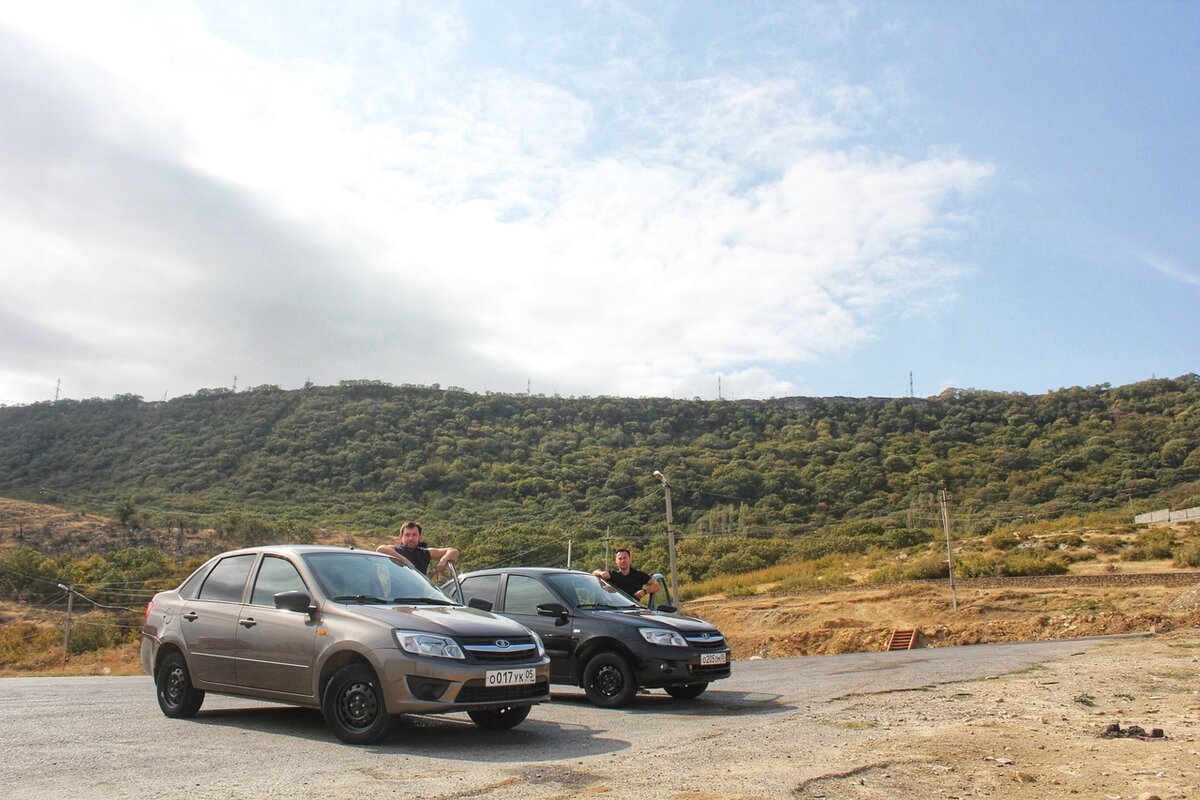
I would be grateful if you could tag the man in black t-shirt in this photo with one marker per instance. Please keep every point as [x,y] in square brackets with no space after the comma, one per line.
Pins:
[409,549]
[632,582]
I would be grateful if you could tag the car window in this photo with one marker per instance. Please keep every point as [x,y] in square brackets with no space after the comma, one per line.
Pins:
[523,595]
[483,586]
[275,575]
[191,587]
[367,575]
[227,579]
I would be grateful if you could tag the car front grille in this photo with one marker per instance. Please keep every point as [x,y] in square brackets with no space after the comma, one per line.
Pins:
[499,650]
[476,692]
[706,640]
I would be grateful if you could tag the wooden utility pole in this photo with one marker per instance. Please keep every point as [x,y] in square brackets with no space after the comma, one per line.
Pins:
[945,501]
[67,626]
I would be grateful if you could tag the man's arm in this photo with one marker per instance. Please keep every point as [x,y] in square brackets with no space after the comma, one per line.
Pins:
[388,550]
[443,554]
[602,573]
[652,585]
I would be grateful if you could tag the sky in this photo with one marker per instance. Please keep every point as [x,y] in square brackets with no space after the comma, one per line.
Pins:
[669,199]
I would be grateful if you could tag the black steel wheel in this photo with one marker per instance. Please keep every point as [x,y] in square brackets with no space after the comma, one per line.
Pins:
[499,719]
[608,680]
[353,706]
[176,696]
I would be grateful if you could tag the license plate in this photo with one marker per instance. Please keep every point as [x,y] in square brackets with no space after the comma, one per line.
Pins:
[713,658]
[509,677]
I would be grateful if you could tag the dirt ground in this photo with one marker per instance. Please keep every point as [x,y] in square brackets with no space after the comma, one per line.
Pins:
[1034,734]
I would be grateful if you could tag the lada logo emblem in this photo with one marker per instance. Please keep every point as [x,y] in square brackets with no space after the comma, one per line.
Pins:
[502,643]
[704,636]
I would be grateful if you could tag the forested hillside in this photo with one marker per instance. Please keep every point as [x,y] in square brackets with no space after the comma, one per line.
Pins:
[506,472]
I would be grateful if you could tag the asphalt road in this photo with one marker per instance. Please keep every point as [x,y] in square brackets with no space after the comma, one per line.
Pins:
[747,737]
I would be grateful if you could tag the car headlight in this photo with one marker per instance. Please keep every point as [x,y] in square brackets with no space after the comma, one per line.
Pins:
[538,641]
[662,636]
[428,644]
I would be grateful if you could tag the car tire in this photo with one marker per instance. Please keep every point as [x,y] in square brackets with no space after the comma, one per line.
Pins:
[687,692]
[177,697]
[608,680]
[353,706]
[499,719]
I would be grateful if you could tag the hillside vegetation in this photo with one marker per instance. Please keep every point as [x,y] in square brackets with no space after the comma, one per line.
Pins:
[521,478]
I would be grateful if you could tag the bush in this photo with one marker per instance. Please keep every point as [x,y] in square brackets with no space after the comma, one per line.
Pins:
[1188,555]
[1106,544]
[1151,545]
[1002,540]
[1011,565]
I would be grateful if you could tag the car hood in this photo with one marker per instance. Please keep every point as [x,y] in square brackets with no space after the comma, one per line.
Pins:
[447,620]
[644,618]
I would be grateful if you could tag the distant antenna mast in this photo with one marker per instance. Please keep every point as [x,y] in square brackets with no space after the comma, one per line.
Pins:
[718,387]
[235,383]
[910,389]
[57,386]
[528,387]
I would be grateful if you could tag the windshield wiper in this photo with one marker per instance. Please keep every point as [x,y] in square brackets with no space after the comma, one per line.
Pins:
[600,605]
[360,598]
[424,601]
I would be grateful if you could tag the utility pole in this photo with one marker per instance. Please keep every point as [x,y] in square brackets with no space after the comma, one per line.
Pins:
[945,501]
[70,590]
[670,537]
[568,553]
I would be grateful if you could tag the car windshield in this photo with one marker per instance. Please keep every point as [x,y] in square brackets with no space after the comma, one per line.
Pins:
[363,577]
[588,591]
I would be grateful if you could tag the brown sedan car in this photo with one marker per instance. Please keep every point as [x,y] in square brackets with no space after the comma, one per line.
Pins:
[350,632]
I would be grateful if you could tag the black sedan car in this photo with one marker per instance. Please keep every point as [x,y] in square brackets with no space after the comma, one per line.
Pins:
[599,638]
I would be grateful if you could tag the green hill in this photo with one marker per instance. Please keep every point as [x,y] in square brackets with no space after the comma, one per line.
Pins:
[519,476]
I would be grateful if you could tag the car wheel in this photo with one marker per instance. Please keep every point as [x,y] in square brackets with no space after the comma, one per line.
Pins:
[353,706]
[176,696]
[499,719]
[687,692]
[608,681]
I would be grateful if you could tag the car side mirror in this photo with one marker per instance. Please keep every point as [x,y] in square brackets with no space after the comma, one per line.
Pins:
[294,601]
[666,608]
[480,603]
[554,610]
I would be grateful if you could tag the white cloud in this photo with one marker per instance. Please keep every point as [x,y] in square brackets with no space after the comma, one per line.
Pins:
[220,208]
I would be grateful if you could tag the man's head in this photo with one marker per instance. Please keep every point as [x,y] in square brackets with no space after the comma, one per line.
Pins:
[624,559]
[410,535]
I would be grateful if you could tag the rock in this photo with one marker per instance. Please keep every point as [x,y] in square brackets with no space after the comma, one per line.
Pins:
[1024,777]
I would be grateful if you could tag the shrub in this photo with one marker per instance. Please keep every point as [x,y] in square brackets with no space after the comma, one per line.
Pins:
[1106,544]
[1188,555]
[1002,540]
[1152,545]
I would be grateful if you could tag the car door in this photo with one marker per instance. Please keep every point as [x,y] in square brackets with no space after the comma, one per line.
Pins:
[522,595]
[209,622]
[275,648]
[481,587]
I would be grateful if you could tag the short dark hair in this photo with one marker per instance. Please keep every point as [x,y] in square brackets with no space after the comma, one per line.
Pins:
[625,550]
[410,524]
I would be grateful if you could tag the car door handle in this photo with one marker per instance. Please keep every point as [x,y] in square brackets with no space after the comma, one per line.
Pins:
[248,622]
[190,616]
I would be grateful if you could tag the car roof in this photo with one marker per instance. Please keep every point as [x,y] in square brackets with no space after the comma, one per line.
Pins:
[301,549]
[526,571]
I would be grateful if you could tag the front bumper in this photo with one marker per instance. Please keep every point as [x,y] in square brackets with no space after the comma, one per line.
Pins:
[665,668]
[440,686]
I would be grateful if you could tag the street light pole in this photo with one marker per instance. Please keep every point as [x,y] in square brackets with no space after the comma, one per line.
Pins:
[670,537]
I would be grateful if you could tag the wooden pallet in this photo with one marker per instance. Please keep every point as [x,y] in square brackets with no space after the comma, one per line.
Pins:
[902,639]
